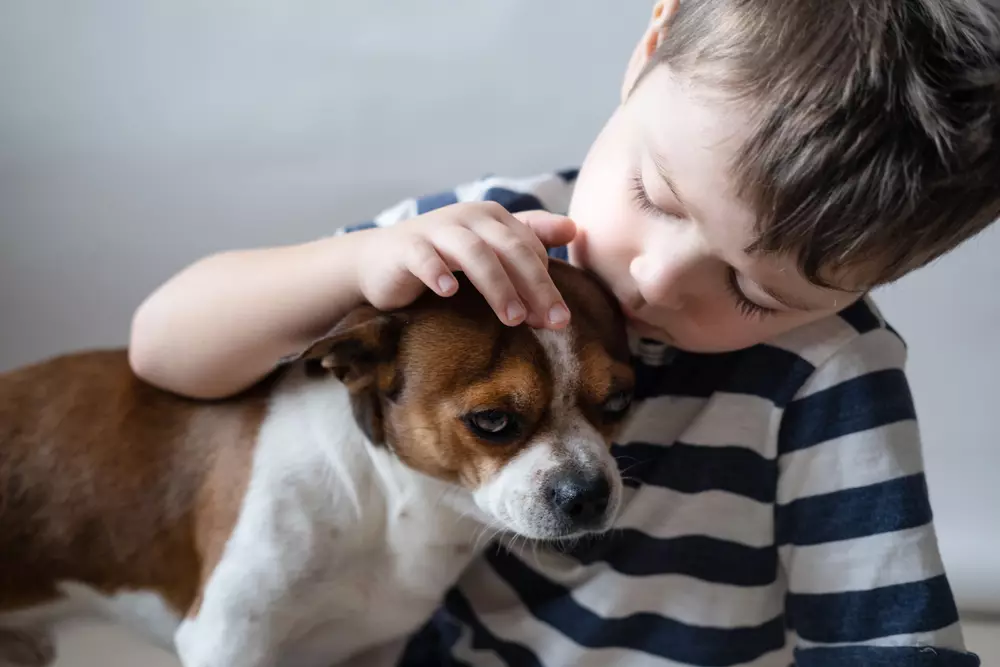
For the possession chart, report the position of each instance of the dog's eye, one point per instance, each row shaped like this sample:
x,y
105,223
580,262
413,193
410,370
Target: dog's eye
x,y
617,404
493,425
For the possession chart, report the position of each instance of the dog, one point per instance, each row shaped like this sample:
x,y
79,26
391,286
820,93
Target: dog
x,y
326,510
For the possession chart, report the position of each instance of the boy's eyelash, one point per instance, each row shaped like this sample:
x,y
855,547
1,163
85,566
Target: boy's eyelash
x,y
641,197
747,308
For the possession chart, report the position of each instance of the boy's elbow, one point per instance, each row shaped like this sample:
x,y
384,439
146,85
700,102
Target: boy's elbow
x,y
144,353
148,356
153,359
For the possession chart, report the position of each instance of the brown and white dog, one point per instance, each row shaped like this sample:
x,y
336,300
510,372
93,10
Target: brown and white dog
x,y
326,510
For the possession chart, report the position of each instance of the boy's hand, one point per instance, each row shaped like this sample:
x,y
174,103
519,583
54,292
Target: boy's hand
x,y
502,254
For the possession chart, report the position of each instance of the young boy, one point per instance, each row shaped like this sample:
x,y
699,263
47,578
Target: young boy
x,y
770,163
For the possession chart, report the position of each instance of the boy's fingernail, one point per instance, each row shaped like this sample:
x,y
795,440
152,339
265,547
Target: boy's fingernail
x,y
515,311
447,284
558,314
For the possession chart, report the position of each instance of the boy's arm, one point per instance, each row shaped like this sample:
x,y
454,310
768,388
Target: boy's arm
x,y
866,585
222,323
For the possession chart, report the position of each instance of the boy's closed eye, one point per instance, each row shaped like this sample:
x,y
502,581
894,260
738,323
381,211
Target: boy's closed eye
x,y
747,306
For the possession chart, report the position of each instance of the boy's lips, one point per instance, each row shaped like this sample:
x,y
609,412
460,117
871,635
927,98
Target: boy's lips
x,y
632,305
640,325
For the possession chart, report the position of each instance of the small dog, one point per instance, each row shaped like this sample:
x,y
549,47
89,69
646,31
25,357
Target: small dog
x,y
326,510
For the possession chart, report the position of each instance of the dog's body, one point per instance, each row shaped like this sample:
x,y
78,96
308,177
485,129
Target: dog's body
x,y
312,517
324,525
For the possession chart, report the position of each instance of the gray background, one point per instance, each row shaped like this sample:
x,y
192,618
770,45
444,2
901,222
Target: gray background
x,y
136,136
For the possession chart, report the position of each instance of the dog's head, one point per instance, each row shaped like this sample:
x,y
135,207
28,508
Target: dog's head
x,y
522,418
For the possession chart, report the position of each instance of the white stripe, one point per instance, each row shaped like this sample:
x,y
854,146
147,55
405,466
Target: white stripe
x,y
662,419
498,608
650,352
874,351
554,193
664,513
818,341
852,461
463,651
735,419
863,564
948,638
611,594
402,211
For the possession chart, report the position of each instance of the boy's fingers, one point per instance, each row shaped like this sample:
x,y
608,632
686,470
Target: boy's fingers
x,y
553,230
464,250
425,263
529,274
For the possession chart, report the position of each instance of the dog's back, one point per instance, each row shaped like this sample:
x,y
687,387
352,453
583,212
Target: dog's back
x,y
89,490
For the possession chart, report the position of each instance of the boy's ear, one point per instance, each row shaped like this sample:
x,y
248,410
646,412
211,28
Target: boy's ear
x,y
354,350
652,37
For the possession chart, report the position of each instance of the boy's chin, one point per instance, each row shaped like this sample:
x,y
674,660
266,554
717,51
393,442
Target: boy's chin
x,y
648,331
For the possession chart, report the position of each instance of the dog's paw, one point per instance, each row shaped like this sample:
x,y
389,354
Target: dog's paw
x,y
26,648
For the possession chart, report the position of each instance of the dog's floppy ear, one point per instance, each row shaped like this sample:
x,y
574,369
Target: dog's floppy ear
x,y
357,346
361,351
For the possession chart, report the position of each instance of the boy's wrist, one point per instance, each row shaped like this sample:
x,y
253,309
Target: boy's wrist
x,y
338,254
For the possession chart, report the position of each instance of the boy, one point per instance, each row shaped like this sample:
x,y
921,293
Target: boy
x,y
770,163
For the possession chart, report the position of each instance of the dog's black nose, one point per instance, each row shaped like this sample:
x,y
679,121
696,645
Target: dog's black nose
x,y
582,500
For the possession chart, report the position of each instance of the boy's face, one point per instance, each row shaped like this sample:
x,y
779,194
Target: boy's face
x,y
657,219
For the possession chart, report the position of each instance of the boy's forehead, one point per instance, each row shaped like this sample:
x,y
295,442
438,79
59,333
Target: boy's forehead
x,y
690,137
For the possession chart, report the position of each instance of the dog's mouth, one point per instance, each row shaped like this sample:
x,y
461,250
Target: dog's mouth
x,y
565,505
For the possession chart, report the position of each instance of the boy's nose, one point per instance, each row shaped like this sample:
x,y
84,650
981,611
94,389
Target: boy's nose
x,y
668,282
658,285
674,265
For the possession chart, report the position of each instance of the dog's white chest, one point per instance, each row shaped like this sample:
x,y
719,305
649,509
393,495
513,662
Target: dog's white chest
x,y
376,599
338,548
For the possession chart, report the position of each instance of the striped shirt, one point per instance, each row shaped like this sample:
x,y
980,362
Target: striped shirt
x,y
776,514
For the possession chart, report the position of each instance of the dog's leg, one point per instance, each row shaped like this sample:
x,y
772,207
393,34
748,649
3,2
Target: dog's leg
x,y
25,648
224,640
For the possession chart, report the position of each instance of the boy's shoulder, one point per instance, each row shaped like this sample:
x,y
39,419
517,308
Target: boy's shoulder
x,y
854,349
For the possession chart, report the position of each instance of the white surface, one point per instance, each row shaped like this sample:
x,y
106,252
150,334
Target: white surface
x,y
138,136
95,644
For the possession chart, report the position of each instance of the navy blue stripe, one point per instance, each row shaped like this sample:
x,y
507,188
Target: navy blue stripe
x,y
860,316
559,252
851,513
863,403
694,469
360,226
432,644
636,554
768,372
568,175
858,616
884,656
513,201
435,201
514,654
646,632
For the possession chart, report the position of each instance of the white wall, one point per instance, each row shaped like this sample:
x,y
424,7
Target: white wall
x,y
137,136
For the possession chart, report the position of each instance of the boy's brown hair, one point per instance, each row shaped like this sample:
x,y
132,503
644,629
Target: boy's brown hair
x,y
875,134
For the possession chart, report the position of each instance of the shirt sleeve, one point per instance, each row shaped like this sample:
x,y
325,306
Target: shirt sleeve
x,y
549,192
865,580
